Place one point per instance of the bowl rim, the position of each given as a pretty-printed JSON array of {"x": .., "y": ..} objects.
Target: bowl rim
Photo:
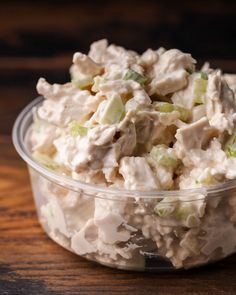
[{"x": 18, "y": 135}]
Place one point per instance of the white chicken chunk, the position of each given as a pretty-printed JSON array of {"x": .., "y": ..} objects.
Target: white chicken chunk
[
  {"x": 85, "y": 65},
  {"x": 169, "y": 73},
  {"x": 65, "y": 103},
  {"x": 137, "y": 174},
  {"x": 194, "y": 136},
  {"x": 219, "y": 103}
]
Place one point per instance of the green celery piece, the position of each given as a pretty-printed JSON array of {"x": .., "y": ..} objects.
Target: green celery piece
[
  {"x": 230, "y": 146},
  {"x": 77, "y": 130},
  {"x": 114, "y": 111},
  {"x": 82, "y": 81},
  {"x": 200, "y": 88},
  {"x": 166, "y": 207},
  {"x": 166, "y": 107},
  {"x": 163, "y": 210},
  {"x": 207, "y": 181},
  {"x": 160, "y": 154},
  {"x": 184, "y": 113},
  {"x": 231, "y": 152},
  {"x": 204, "y": 76},
  {"x": 133, "y": 75},
  {"x": 180, "y": 210},
  {"x": 184, "y": 210}
]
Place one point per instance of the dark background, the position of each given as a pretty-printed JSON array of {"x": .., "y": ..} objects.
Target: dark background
[{"x": 38, "y": 38}]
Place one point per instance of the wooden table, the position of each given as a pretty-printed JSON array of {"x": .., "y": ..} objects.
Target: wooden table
[{"x": 32, "y": 264}]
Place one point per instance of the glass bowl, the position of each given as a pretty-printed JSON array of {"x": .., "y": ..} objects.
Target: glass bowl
[{"x": 132, "y": 230}]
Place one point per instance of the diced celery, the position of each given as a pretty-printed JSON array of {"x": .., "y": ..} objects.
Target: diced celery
[
  {"x": 133, "y": 75},
  {"x": 184, "y": 211},
  {"x": 173, "y": 207},
  {"x": 113, "y": 112},
  {"x": 82, "y": 82},
  {"x": 230, "y": 146},
  {"x": 184, "y": 113},
  {"x": 204, "y": 76},
  {"x": 231, "y": 152},
  {"x": 166, "y": 206},
  {"x": 77, "y": 130},
  {"x": 164, "y": 156},
  {"x": 164, "y": 210},
  {"x": 200, "y": 87},
  {"x": 166, "y": 107},
  {"x": 206, "y": 181},
  {"x": 45, "y": 160}
]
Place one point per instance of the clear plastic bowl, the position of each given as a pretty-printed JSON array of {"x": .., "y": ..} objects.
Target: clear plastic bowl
[{"x": 132, "y": 230}]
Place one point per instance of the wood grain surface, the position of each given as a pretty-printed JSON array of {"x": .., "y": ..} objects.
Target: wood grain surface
[{"x": 32, "y": 264}]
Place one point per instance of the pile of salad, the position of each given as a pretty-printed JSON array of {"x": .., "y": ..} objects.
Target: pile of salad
[{"x": 149, "y": 122}]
